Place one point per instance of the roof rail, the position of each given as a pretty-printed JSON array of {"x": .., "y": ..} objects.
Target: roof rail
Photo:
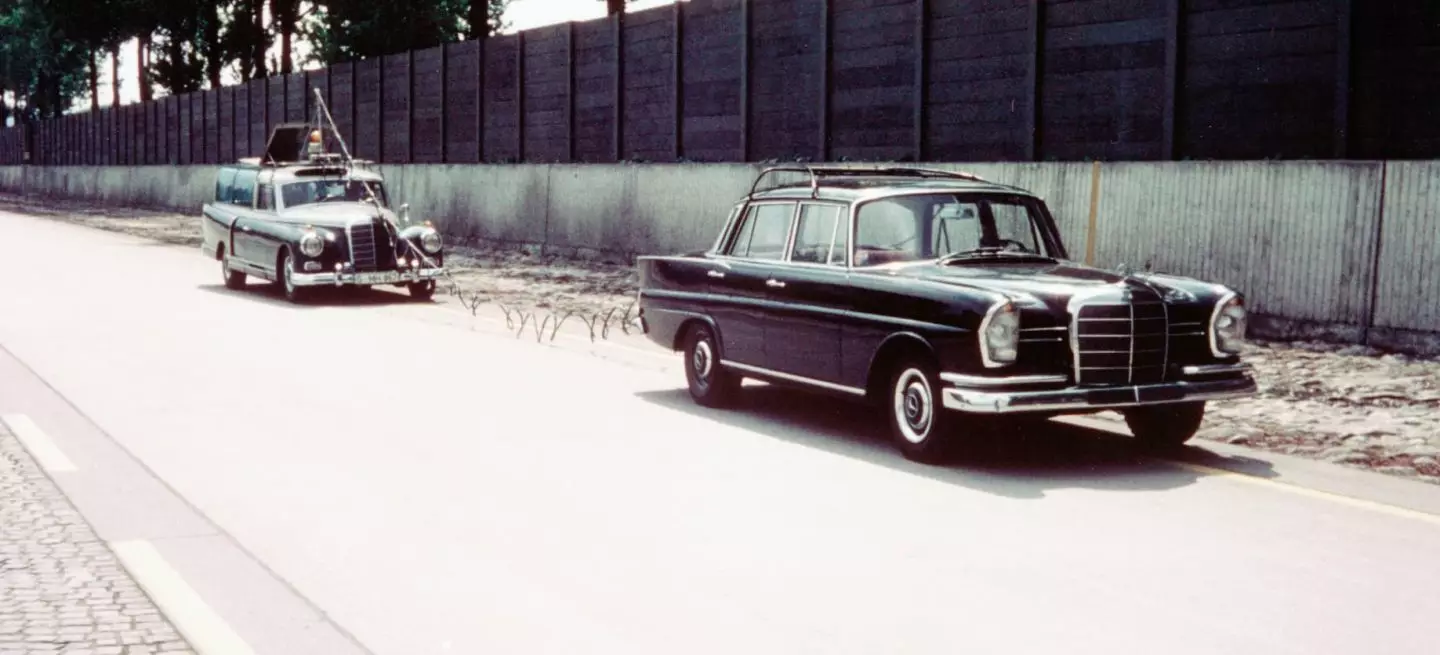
[{"x": 858, "y": 171}]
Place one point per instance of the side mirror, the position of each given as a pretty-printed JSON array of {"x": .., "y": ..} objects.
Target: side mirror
[{"x": 405, "y": 213}]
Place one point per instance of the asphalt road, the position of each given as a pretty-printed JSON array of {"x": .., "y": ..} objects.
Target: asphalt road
[{"x": 358, "y": 478}]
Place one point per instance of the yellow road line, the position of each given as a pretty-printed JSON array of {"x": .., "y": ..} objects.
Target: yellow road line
[
  {"x": 207, "y": 633},
  {"x": 1383, "y": 508},
  {"x": 40, "y": 445},
  {"x": 1393, "y": 510}
]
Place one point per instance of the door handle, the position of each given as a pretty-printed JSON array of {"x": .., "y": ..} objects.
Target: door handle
[
  {"x": 245, "y": 228},
  {"x": 775, "y": 283},
  {"x": 715, "y": 274}
]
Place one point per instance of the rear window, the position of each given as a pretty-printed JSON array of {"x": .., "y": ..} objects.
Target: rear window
[
  {"x": 243, "y": 188},
  {"x": 224, "y": 185}
]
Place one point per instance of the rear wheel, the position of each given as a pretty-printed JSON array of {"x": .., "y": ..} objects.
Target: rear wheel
[
  {"x": 919, "y": 425},
  {"x": 710, "y": 384},
  {"x": 233, "y": 279},
  {"x": 1165, "y": 426}
]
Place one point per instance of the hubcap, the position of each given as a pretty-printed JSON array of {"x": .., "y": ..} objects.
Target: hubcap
[
  {"x": 914, "y": 406},
  {"x": 285, "y": 272},
  {"x": 702, "y": 361}
]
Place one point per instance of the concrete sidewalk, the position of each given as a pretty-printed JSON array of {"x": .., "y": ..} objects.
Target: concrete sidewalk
[{"x": 62, "y": 590}]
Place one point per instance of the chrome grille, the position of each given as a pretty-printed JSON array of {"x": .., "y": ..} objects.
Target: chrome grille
[
  {"x": 363, "y": 250},
  {"x": 1120, "y": 339}
]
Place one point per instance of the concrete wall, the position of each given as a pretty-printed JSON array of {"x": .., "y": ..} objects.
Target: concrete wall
[{"x": 1341, "y": 251}]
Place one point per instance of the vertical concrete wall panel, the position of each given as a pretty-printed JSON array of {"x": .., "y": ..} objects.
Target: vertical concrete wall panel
[
  {"x": 1408, "y": 289},
  {"x": 1296, "y": 239}
]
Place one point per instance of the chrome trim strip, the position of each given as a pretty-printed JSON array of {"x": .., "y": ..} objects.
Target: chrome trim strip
[
  {"x": 991, "y": 402},
  {"x": 963, "y": 380},
  {"x": 792, "y": 378},
  {"x": 1215, "y": 316},
  {"x": 741, "y": 301},
  {"x": 338, "y": 279},
  {"x": 1215, "y": 369}
]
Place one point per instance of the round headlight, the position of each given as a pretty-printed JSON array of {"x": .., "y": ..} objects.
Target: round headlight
[
  {"x": 312, "y": 244},
  {"x": 430, "y": 241},
  {"x": 1228, "y": 326},
  {"x": 1000, "y": 336}
]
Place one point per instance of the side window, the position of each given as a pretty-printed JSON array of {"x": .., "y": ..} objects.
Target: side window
[
  {"x": 224, "y": 185},
  {"x": 243, "y": 191},
  {"x": 822, "y": 237},
  {"x": 764, "y": 232},
  {"x": 266, "y": 197}
]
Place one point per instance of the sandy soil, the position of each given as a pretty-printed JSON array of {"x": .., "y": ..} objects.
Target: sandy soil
[{"x": 1346, "y": 404}]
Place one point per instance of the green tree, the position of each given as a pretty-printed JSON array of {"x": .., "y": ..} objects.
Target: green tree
[
  {"x": 344, "y": 30},
  {"x": 39, "y": 66}
]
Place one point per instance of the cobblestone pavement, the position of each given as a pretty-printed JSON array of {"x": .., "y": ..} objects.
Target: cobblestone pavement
[{"x": 61, "y": 589}]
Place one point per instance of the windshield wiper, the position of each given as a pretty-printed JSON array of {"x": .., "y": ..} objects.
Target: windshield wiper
[{"x": 989, "y": 251}]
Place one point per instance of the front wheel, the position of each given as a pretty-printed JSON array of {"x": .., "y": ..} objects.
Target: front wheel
[
  {"x": 710, "y": 384},
  {"x": 1165, "y": 426},
  {"x": 919, "y": 425},
  {"x": 422, "y": 290},
  {"x": 293, "y": 292}
]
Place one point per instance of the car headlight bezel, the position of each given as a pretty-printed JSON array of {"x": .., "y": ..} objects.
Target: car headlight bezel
[
  {"x": 999, "y": 335},
  {"x": 431, "y": 241},
  {"x": 312, "y": 244},
  {"x": 1229, "y": 321}
]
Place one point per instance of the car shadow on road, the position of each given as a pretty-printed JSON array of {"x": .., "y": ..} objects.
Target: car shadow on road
[
  {"x": 1015, "y": 462},
  {"x": 329, "y": 297}
]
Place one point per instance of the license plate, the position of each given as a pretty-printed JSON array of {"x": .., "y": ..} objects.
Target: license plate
[{"x": 383, "y": 277}]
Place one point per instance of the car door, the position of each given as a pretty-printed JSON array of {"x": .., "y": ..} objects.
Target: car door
[
  {"x": 249, "y": 233},
  {"x": 741, "y": 297},
  {"x": 809, "y": 298}
]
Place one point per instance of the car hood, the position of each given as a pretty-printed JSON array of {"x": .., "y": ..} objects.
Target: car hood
[
  {"x": 333, "y": 214},
  {"x": 1049, "y": 283}
]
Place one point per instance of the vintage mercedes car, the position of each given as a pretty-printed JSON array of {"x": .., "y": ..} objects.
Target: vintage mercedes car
[
  {"x": 947, "y": 300},
  {"x": 304, "y": 218}
]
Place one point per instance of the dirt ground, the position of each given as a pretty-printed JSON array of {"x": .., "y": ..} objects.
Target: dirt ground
[{"x": 1346, "y": 404}]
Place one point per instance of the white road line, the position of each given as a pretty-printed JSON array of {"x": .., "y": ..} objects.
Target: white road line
[
  {"x": 207, "y": 633},
  {"x": 41, "y": 447}
]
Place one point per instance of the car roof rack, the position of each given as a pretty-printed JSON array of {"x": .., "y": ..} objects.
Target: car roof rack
[{"x": 816, "y": 173}]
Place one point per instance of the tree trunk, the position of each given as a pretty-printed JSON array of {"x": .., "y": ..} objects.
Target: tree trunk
[
  {"x": 94, "y": 82},
  {"x": 115, "y": 76},
  {"x": 613, "y": 7},
  {"x": 213, "y": 48},
  {"x": 286, "y": 31},
  {"x": 283, "y": 15},
  {"x": 142, "y": 69},
  {"x": 257, "y": 8},
  {"x": 479, "y": 18}
]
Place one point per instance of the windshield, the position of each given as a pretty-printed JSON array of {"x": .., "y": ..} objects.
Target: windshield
[
  {"x": 329, "y": 190},
  {"x": 928, "y": 226}
]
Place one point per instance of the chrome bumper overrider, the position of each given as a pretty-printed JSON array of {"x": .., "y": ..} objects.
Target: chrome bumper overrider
[
  {"x": 989, "y": 401},
  {"x": 342, "y": 278}
]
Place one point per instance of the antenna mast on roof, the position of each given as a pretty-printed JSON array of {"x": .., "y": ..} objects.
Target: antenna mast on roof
[{"x": 322, "y": 119}]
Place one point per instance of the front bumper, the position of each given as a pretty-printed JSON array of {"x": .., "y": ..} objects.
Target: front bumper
[
  {"x": 368, "y": 278},
  {"x": 1088, "y": 399}
]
